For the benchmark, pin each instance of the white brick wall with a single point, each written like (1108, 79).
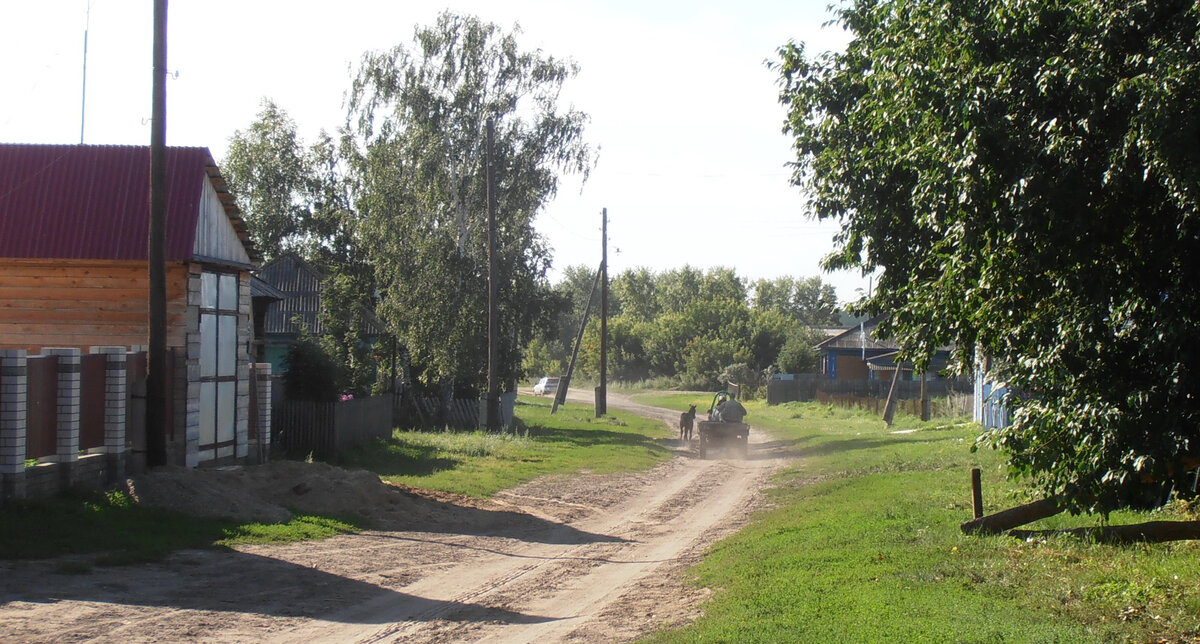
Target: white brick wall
(68, 402)
(13, 408)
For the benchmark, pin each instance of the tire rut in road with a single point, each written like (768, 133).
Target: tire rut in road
(533, 590)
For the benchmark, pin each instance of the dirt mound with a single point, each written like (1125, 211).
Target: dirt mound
(275, 491)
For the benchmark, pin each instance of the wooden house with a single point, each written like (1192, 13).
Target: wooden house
(73, 273)
(857, 353)
(845, 356)
(299, 285)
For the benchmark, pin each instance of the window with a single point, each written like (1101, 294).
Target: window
(218, 364)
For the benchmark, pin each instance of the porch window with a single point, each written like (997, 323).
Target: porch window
(218, 364)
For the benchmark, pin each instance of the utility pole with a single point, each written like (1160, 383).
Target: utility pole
(560, 396)
(493, 374)
(156, 376)
(602, 390)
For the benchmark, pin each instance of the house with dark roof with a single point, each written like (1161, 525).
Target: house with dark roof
(300, 285)
(857, 353)
(73, 273)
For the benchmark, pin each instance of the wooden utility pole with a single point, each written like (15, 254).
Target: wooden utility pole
(560, 396)
(156, 367)
(602, 390)
(493, 374)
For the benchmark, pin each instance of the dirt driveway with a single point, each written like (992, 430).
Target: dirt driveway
(567, 558)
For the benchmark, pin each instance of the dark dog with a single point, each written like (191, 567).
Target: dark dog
(686, 422)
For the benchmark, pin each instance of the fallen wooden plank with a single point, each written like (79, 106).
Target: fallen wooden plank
(1011, 518)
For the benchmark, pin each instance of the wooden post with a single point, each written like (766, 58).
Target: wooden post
(602, 390)
(925, 411)
(156, 372)
(889, 410)
(1011, 518)
(976, 493)
(560, 396)
(493, 327)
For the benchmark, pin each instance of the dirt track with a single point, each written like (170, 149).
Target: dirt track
(581, 558)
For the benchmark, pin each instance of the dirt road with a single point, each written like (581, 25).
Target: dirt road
(579, 558)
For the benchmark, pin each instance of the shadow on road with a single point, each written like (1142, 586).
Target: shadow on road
(208, 581)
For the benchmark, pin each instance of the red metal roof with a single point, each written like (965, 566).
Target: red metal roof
(93, 201)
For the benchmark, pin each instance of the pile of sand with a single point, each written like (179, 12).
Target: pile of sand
(276, 491)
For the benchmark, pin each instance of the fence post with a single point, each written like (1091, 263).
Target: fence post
(68, 411)
(115, 393)
(261, 383)
(13, 393)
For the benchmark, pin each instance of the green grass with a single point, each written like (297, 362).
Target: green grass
(480, 464)
(864, 545)
(702, 401)
(119, 531)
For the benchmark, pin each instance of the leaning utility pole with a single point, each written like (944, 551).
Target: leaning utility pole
(602, 390)
(493, 372)
(560, 396)
(156, 376)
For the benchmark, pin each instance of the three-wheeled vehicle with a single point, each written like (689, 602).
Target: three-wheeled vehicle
(724, 431)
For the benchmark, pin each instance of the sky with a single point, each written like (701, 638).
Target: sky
(683, 110)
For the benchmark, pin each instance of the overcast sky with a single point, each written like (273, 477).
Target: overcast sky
(683, 109)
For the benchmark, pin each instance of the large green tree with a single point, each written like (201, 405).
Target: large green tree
(269, 175)
(416, 117)
(1026, 177)
(810, 301)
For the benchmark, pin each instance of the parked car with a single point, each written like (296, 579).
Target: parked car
(546, 386)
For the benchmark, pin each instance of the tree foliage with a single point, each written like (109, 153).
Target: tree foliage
(268, 172)
(416, 118)
(1025, 175)
(809, 301)
(690, 325)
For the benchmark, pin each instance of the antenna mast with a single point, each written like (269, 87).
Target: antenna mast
(83, 94)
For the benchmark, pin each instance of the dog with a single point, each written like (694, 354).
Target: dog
(686, 421)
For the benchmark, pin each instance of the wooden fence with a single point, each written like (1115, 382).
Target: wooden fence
(301, 428)
(807, 386)
(950, 405)
(463, 413)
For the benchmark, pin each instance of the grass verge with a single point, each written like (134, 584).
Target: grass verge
(479, 464)
(863, 545)
(119, 531)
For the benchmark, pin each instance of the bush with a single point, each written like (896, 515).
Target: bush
(311, 373)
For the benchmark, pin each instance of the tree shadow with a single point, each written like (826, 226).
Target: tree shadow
(861, 443)
(208, 580)
(426, 512)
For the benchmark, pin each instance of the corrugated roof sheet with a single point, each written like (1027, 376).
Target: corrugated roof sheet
(300, 282)
(263, 290)
(92, 201)
(858, 336)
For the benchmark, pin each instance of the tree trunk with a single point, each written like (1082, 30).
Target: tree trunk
(447, 395)
(1011, 518)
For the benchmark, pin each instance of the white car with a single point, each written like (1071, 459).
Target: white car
(546, 386)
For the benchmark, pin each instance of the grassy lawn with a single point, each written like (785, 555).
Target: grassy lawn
(124, 532)
(480, 464)
(864, 545)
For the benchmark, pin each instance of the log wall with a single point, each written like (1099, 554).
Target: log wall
(83, 303)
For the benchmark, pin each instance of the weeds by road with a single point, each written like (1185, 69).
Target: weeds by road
(864, 545)
(480, 464)
(114, 524)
